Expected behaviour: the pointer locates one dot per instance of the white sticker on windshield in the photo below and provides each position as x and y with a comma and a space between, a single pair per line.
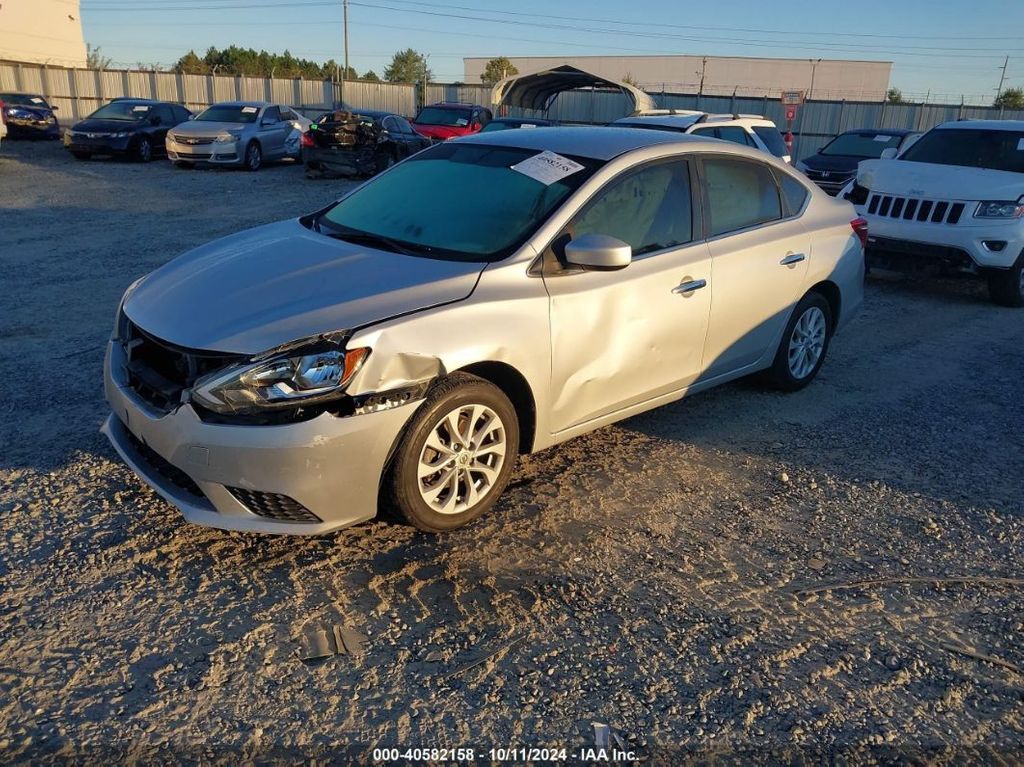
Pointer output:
883, 138
250, 110
527, 125
36, 100
140, 108
1020, 145
462, 122
547, 167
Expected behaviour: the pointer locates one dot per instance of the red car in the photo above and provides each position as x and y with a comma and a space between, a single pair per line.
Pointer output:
444, 121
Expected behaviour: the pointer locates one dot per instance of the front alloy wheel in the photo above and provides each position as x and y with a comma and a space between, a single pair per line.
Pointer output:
143, 150
455, 456
1006, 286
253, 157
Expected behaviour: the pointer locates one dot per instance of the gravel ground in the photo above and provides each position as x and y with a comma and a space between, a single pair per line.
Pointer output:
661, 576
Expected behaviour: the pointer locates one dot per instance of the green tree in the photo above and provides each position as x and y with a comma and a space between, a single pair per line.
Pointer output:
407, 66
1011, 98
94, 59
190, 64
498, 69
895, 96
371, 76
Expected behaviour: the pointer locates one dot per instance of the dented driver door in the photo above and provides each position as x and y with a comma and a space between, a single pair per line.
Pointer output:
621, 338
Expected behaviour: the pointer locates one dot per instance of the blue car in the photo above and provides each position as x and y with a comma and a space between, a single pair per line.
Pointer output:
29, 115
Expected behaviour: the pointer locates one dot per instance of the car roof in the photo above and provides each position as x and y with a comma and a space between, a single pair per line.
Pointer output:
244, 104
886, 131
983, 124
684, 121
454, 104
596, 142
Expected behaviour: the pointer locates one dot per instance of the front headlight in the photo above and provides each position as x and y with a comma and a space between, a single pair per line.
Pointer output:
225, 137
305, 375
121, 134
1000, 209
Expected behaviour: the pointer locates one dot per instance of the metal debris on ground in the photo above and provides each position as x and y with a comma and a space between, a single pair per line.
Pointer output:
602, 733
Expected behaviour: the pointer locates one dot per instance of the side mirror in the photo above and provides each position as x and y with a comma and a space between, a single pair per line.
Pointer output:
599, 253
191, 117
889, 153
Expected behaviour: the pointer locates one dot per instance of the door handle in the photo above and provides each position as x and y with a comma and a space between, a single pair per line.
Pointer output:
689, 286
792, 258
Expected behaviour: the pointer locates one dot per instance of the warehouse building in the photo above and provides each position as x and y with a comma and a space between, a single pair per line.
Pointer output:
721, 75
42, 32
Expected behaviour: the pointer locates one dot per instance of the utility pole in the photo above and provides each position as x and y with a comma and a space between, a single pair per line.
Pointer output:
703, 69
1002, 77
814, 67
344, 75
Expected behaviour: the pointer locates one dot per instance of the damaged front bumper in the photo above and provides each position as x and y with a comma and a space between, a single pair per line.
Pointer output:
345, 161
308, 477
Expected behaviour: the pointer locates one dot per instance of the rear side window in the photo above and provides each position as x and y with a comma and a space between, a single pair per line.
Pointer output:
793, 193
772, 139
740, 194
649, 208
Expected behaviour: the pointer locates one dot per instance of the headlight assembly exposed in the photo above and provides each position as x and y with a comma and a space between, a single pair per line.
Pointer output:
1000, 209
304, 375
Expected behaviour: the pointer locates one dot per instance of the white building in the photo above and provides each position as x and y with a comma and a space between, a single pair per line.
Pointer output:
42, 32
721, 75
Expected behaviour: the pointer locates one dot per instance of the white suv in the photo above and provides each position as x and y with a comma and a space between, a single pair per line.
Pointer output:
749, 130
954, 198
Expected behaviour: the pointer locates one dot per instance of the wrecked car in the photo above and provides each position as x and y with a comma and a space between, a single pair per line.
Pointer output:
399, 348
358, 144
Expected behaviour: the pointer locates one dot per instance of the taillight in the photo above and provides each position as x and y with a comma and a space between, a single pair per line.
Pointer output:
860, 228
307, 139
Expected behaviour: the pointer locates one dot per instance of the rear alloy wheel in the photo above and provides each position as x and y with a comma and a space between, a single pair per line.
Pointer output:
253, 156
1006, 286
456, 455
804, 344
143, 150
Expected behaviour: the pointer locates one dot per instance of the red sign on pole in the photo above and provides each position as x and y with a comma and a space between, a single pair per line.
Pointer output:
790, 114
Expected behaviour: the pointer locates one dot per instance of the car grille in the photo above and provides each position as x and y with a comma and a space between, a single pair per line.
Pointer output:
159, 372
914, 209
193, 140
164, 468
273, 506
830, 181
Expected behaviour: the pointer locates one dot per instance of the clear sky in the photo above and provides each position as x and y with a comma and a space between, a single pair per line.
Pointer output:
939, 47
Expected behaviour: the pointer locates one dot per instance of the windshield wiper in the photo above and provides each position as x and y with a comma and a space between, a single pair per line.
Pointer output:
366, 238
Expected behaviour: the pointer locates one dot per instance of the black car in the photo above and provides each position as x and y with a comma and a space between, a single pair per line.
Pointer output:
358, 143
29, 115
135, 128
836, 162
507, 123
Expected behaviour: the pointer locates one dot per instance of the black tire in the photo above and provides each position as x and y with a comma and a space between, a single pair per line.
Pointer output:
82, 155
1006, 286
184, 165
781, 374
253, 158
143, 150
402, 484
384, 160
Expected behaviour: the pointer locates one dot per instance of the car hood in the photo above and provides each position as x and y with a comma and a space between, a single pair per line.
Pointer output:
106, 126
206, 128
838, 163
264, 287
440, 131
951, 182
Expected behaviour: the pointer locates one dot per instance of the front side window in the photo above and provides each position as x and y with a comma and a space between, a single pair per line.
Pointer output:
650, 209
970, 148
273, 114
740, 194
460, 202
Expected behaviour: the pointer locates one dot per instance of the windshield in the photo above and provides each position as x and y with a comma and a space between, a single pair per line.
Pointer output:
455, 202
227, 113
451, 118
867, 146
121, 110
970, 148
22, 99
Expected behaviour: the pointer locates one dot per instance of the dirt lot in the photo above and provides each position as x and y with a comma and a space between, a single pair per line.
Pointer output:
649, 576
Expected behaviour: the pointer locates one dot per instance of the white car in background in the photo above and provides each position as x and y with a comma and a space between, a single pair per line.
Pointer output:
747, 130
953, 199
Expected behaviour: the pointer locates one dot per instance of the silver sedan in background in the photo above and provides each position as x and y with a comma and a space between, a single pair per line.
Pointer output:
486, 297
240, 133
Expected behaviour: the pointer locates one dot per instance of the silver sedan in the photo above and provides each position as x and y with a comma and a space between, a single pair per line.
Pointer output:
240, 133
486, 297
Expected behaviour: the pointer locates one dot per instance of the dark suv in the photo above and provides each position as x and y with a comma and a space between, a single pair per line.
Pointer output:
444, 121
135, 128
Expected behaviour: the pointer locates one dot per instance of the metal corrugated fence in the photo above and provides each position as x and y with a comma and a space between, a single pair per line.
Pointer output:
77, 92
